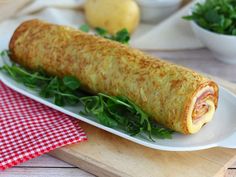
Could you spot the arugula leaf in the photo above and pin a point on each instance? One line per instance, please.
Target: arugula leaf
(212, 16)
(71, 82)
(106, 120)
(123, 113)
(121, 36)
(92, 105)
(160, 132)
(84, 28)
(4, 53)
(101, 32)
(24, 76)
(215, 15)
(62, 90)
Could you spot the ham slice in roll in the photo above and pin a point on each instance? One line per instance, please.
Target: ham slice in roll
(201, 109)
(174, 96)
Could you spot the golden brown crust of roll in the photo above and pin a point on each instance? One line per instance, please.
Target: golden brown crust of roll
(162, 89)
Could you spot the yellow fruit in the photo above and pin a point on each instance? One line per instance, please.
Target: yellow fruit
(112, 15)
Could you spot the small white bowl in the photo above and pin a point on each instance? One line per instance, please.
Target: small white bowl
(154, 11)
(222, 46)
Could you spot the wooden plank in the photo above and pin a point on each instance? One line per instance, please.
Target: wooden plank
(210, 154)
(45, 161)
(109, 155)
(44, 172)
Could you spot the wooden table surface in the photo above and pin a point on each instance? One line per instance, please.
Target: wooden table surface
(47, 166)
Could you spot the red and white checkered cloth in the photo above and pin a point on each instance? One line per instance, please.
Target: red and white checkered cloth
(29, 129)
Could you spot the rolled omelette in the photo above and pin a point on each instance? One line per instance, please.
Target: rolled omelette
(174, 96)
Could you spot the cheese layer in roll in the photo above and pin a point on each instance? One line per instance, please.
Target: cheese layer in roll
(174, 96)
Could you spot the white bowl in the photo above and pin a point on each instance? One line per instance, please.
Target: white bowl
(222, 46)
(154, 11)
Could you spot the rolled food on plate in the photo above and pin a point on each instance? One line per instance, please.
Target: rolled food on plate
(174, 96)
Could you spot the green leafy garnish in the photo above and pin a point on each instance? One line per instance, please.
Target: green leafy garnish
(84, 28)
(102, 32)
(71, 82)
(121, 36)
(215, 15)
(62, 90)
(4, 53)
(114, 111)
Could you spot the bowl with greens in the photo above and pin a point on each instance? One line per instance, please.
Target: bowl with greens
(214, 23)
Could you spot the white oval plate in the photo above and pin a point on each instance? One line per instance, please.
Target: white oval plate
(219, 132)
